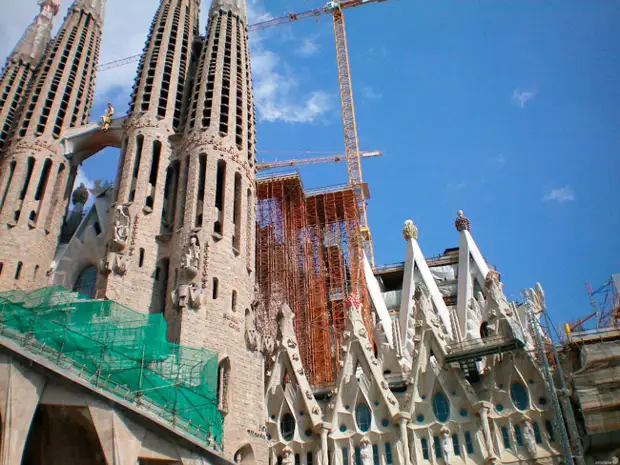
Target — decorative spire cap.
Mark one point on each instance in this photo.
(52, 5)
(238, 7)
(410, 231)
(80, 195)
(462, 223)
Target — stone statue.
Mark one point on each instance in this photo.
(121, 226)
(191, 260)
(269, 345)
(252, 337)
(287, 456)
(530, 437)
(106, 119)
(445, 444)
(410, 231)
(179, 297)
(366, 452)
(195, 296)
(285, 322)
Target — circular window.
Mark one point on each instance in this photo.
(519, 396)
(441, 407)
(385, 422)
(499, 407)
(420, 418)
(463, 412)
(363, 417)
(343, 428)
(308, 433)
(542, 401)
(287, 426)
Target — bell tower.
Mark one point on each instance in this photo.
(136, 268)
(36, 177)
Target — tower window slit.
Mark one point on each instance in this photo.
(215, 288)
(45, 174)
(170, 190)
(150, 199)
(233, 304)
(18, 270)
(202, 171)
(218, 227)
(249, 208)
(237, 213)
(136, 167)
(141, 258)
(56, 196)
(8, 183)
(183, 192)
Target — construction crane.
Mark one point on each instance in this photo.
(310, 161)
(354, 169)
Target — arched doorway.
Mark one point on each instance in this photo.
(245, 456)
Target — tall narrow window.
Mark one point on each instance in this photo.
(18, 270)
(136, 167)
(183, 192)
(309, 458)
(518, 436)
(202, 162)
(549, 427)
(437, 445)
(223, 383)
(1, 267)
(56, 195)
(388, 453)
(8, 183)
(424, 443)
(249, 208)
(150, 198)
(363, 417)
(537, 434)
(455, 444)
(45, 174)
(441, 407)
(237, 213)
(469, 443)
(234, 301)
(297, 459)
(218, 227)
(345, 456)
(141, 258)
(506, 437)
(375, 454)
(358, 456)
(161, 279)
(215, 288)
(29, 171)
(36, 271)
(170, 196)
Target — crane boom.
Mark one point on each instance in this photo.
(311, 161)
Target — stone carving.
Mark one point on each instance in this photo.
(410, 231)
(252, 337)
(445, 444)
(140, 122)
(179, 297)
(106, 118)
(187, 295)
(366, 452)
(191, 259)
(120, 263)
(122, 223)
(530, 438)
(287, 456)
(462, 223)
(285, 323)
(195, 296)
(269, 344)
(205, 266)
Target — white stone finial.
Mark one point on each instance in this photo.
(462, 223)
(236, 6)
(410, 231)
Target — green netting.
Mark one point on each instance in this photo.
(121, 351)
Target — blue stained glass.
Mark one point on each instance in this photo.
(469, 443)
(441, 407)
(388, 453)
(537, 434)
(519, 396)
(506, 437)
(424, 448)
(363, 417)
(455, 444)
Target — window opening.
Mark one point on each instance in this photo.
(550, 432)
(469, 443)
(518, 436)
(97, 228)
(234, 301)
(218, 227)
(441, 407)
(358, 456)
(223, 382)
(537, 434)
(141, 259)
(8, 183)
(424, 443)
(287, 426)
(437, 444)
(363, 417)
(85, 284)
(309, 458)
(237, 213)
(18, 270)
(183, 192)
(215, 288)
(506, 437)
(150, 199)
(519, 396)
(297, 459)
(484, 330)
(202, 172)
(388, 453)
(375, 454)
(455, 444)
(345, 456)
(136, 167)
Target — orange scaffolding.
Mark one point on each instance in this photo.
(309, 256)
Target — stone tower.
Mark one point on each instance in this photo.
(21, 64)
(36, 178)
(136, 268)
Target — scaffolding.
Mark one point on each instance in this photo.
(120, 351)
(309, 256)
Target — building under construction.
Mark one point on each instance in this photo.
(308, 256)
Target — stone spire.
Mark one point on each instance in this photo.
(138, 266)
(21, 63)
(34, 172)
(237, 7)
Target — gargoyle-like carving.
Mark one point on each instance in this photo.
(122, 224)
(252, 337)
(187, 295)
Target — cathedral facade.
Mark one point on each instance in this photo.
(445, 374)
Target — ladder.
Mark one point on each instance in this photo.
(563, 415)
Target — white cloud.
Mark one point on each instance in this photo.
(368, 93)
(126, 26)
(521, 97)
(308, 47)
(498, 160)
(81, 178)
(560, 195)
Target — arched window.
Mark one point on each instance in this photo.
(85, 282)
(519, 396)
(441, 407)
(484, 330)
(363, 417)
(287, 426)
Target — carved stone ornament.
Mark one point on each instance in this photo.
(36, 145)
(269, 344)
(120, 264)
(366, 452)
(141, 122)
(462, 223)
(309, 395)
(187, 295)
(529, 437)
(446, 444)
(410, 231)
(191, 259)
(362, 332)
(122, 224)
(287, 456)
(253, 339)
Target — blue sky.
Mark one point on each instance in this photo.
(507, 110)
